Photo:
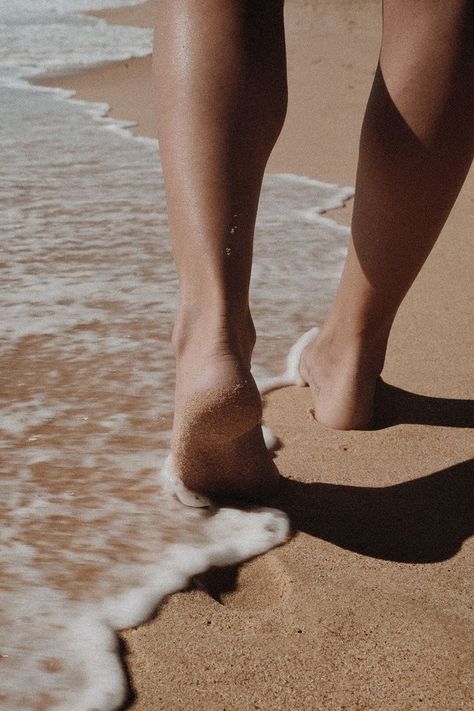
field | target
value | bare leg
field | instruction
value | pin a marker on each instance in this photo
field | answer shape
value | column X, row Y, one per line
column 220, row 73
column 417, row 144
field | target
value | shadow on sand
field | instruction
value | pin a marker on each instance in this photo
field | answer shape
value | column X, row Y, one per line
column 395, row 406
column 421, row 521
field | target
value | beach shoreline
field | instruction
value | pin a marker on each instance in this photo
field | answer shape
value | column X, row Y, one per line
column 368, row 606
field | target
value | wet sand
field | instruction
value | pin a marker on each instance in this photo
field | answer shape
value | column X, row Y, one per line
column 370, row 604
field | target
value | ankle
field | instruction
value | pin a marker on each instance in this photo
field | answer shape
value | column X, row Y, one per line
column 213, row 333
column 349, row 341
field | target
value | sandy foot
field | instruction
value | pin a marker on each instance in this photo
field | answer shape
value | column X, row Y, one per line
column 218, row 447
column 342, row 383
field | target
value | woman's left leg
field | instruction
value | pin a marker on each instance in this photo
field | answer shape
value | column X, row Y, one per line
column 220, row 73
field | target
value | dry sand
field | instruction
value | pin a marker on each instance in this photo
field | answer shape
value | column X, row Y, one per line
column 370, row 604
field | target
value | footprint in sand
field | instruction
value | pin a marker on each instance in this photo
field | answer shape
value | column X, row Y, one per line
column 257, row 585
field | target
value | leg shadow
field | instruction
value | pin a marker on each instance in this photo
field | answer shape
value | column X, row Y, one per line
column 421, row 521
column 394, row 406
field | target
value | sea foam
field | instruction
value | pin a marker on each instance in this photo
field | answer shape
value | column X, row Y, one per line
column 91, row 538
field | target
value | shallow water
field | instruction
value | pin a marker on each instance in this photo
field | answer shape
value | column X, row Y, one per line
column 90, row 539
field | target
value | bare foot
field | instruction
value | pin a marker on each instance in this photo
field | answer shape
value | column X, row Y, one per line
column 342, row 377
column 217, row 445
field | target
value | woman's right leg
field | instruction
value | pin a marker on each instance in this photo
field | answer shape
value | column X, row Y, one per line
column 416, row 147
column 220, row 72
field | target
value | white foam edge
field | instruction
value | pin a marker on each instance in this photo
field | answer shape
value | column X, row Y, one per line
column 292, row 374
column 96, row 110
column 259, row 530
column 271, row 441
column 345, row 192
column 94, row 632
